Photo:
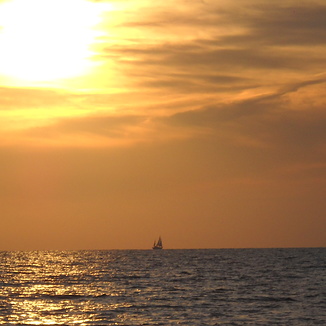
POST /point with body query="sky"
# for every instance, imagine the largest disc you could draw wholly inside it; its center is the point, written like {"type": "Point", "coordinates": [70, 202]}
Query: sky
{"type": "Point", "coordinates": [203, 122]}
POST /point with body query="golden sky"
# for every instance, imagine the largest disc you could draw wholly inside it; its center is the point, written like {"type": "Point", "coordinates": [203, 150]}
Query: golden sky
{"type": "Point", "coordinates": [200, 121]}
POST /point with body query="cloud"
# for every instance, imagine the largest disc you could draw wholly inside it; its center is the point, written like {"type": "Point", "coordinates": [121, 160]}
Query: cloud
{"type": "Point", "coordinates": [273, 123]}
{"type": "Point", "coordinates": [14, 97]}
{"type": "Point", "coordinates": [231, 67]}
{"type": "Point", "coordinates": [88, 131]}
{"type": "Point", "coordinates": [289, 25]}
{"type": "Point", "coordinates": [220, 48]}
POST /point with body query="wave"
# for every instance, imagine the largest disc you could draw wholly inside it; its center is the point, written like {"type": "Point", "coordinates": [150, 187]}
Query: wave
{"type": "Point", "coordinates": [270, 299]}
{"type": "Point", "coordinates": [38, 296]}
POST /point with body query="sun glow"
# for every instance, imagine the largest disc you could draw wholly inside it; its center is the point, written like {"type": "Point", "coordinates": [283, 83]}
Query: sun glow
{"type": "Point", "coordinates": [47, 40]}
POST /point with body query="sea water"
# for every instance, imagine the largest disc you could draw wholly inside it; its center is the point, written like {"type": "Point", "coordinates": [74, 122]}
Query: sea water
{"type": "Point", "coordinates": [164, 287]}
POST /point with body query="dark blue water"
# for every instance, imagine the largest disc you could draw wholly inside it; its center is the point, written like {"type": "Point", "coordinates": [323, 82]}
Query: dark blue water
{"type": "Point", "coordinates": [168, 287]}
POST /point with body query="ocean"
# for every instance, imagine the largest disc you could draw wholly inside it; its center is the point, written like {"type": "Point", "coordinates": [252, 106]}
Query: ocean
{"type": "Point", "coordinates": [164, 287]}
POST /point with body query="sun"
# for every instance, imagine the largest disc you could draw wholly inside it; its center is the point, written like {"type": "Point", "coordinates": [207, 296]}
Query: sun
{"type": "Point", "coordinates": [46, 40]}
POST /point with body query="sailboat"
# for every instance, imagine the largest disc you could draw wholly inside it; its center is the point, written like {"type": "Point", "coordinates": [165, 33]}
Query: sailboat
{"type": "Point", "coordinates": [158, 244]}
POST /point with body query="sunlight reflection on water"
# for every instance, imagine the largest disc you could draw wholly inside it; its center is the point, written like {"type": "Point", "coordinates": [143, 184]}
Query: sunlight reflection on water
{"type": "Point", "coordinates": [211, 287]}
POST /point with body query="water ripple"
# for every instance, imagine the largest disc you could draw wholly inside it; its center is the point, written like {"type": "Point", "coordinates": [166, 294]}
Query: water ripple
{"type": "Point", "coordinates": [170, 287]}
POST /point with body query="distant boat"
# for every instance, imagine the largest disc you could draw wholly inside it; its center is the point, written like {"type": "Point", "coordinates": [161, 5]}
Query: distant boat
{"type": "Point", "coordinates": [158, 244]}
